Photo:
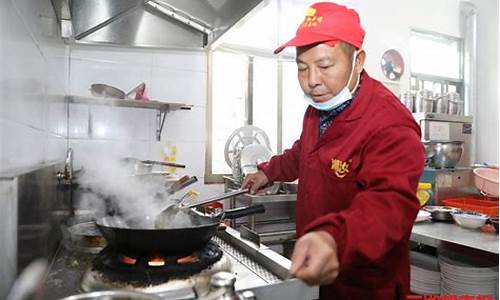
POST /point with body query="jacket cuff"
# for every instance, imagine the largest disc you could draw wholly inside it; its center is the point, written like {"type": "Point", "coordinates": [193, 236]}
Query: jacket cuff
{"type": "Point", "coordinates": [336, 232]}
{"type": "Point", "coordinates": [267, 170]}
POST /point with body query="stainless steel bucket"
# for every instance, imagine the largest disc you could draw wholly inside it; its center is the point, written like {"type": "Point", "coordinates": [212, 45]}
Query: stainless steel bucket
{"type": "Point", "coordinates": [442, 104]}
{"type": "Point", "coordinates": [424, 101]}
{"type": "Point", "coordinates": [407, 98]}
{"type": "Point", "coordinates": [456, 108]}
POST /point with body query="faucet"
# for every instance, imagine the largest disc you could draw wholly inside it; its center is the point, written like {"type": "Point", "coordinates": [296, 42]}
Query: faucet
{"type": "Point", "coordinates": [67, 175]}
{"type": "Point", "coordinates": [68, 165]}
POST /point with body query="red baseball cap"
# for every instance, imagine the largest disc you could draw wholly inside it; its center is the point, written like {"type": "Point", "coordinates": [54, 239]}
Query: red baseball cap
{"type": "Point", "coordinates": [327, 22]}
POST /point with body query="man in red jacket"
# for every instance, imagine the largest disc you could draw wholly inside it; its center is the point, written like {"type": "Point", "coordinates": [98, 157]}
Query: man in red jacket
{"type": "Point", "coordinates": [358, 161]}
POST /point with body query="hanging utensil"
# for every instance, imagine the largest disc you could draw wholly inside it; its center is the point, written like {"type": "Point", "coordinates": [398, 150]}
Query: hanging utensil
{"type": "Point", "coordinates": [106, 91]}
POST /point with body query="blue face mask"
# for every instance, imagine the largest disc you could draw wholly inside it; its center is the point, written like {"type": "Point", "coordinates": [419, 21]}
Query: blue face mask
{"type": "Point", "coordinates": [344, 95]}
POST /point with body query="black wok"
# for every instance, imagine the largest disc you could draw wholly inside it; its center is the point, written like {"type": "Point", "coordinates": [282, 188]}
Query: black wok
{"type": "Point", "coordinates": [131, 239]}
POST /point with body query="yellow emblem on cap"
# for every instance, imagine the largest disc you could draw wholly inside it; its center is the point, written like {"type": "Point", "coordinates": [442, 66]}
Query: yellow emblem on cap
{"type": "Point", "coordinates": [310, 12]}
{"type": "Point", "coordinates": [311, 20]}
{"type": "Point", "coordinates": [340, 168]}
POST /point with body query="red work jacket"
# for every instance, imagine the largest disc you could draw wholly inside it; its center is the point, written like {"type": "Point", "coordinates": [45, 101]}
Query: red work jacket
{"type": "Point", "coordinates": [358, 182]}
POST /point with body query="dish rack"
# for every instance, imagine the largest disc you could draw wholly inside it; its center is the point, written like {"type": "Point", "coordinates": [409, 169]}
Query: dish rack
{"type": "Point", "coordinates": [474, 203]}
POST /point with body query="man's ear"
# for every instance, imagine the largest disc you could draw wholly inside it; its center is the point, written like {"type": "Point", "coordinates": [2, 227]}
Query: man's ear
{"type": "Point", "coordinates": [360, 61]}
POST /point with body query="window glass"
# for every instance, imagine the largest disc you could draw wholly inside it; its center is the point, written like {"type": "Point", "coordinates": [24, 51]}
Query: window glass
{"type": "Point", "coordinates": [265, 98]}
{"type": "Point", "coordinates": [435, 55]}
{"type": "Point", "coordinates": [228, 103]}
{"type": "Point", "coordinates": [294, 105]}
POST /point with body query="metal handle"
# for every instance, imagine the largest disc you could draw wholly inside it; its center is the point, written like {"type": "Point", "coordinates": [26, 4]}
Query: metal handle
{"type": "Point", "coordinates": [244, 211]}
{"type": "Point", "coordinates": [168, 164]}
{"type": "Point", "coordinates": [217, 198]}
{"type": "Point", "coordinates": [183, 182]}
{"type": "Point", "coordinates": [187, 183]}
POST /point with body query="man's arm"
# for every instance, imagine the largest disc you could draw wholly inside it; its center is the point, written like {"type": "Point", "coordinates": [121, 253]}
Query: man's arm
{"type": "Point", "coordinates": [284, 167]}
{"type": "Point", "coordinates": [381, 215]}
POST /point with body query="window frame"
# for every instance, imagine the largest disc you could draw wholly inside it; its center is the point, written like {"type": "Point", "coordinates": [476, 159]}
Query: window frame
{"type": "Point", "coordinates": [435, 79]}
{"type": "Point", "coordinates": [251, 53]}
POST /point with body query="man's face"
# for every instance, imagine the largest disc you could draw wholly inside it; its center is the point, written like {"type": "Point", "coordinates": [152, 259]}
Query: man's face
{"type": "Point", "coordinates": [323, 70]}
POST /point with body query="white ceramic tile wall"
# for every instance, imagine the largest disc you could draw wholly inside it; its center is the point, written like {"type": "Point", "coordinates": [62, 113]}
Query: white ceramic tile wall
{"type": "Point", "coordinates": [487, 135]}
{"type": "Point", "coordinates": [78, 121]}
{"type": "Point", "coordinates": [22, 146]}
{"type": "Point", "coordinates": [186, 125]}
{"type": "Point", "coordinates": [33, 124]}
{"type": "Point", "coordinates": [169, 76]}
{"type": "Point", "coordinates": [179, 86]}
{"type": "Point", "coordinates": [33, 71]}
{"type": "Point", "coordinates": [100, 149]}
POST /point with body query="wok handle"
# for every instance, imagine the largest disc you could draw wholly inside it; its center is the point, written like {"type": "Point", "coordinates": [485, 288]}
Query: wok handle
{"type": "Point", "coordinates": [244, 211]}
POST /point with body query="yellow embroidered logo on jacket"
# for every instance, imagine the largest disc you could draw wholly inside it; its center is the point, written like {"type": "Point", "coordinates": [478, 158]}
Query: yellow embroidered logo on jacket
{"type": "Point", "coordinates": [311, 20]}
{"type": "Point", "coordinates": [340, 168]}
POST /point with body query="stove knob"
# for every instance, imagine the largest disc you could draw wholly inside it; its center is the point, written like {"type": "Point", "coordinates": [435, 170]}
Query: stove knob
{"type": "Point", "coordinates": [223, 286]}
{"type": "Point", "coordinates": [248, 295]}
{"type": "Point", "coordinates": [223, 280]}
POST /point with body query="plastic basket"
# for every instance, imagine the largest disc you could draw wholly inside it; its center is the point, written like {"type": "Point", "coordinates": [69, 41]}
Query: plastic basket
{"type": "Point", "coordinates": [473, 203]}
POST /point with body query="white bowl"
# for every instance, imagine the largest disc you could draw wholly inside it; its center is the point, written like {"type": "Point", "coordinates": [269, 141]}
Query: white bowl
{"type": "Point", "coordinates": [422, 216]}
{"type": "Point", "coordinates": [470, 220]}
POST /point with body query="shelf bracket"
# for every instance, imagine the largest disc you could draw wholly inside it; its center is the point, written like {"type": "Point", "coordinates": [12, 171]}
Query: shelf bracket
{"type": "Point", "coordinates": [160, 121]}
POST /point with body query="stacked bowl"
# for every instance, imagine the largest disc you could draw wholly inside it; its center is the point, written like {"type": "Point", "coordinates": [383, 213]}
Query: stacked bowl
{"type": "Point", "coordinates": [425, 278]}
{"type": "Point", "coordinates": [462, 277]}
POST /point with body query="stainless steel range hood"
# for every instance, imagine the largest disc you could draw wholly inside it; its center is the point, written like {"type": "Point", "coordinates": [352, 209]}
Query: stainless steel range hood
{"type": "Point", "coordinates": [150, 23]}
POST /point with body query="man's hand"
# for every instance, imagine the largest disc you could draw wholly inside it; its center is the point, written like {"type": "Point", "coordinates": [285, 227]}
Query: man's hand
{"type": "Point", "coordinates": [315, 259]}
{"type": "Point", "coordinates": [255, 181]}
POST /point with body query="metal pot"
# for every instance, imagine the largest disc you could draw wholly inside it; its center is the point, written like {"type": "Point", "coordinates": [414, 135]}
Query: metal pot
{"type": "Point", "coordinates": [455, 105]}
{"type": "Point", "coordinates": [407, 98]}
{"type": "Point", "coordinates": [456, 108]}
{"type": "Point", "coordinates": [424, 101]}
{"type": "Point", "coordinates": [290, 187]}
{"type": "Point", "coordinates": [441, 213]}
{"type": "Point", "coordinates": [443, 154]}
{"type": "Point", "coordinates": [106, 91]}
{"type": "Point", "coordinates": [442, 104]}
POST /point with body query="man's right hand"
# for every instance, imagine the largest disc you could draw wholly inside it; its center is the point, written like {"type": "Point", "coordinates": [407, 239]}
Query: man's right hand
{"type": "Point", "coordinates": [255, 181]}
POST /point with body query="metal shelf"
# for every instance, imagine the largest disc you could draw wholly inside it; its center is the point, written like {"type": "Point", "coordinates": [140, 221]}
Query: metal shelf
{"type": "Point", "coordinates": [162, 107]}
{"type": "Point", "coordinates": [434, 233]}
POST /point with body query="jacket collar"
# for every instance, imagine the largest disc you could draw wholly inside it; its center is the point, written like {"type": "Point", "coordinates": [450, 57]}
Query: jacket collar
{"type": "Point", "coordinates": [360, 103]}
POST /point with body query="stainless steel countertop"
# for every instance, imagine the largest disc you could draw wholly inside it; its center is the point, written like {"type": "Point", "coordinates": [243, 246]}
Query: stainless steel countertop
{"type": "Point", "coordinates": [433, 233]}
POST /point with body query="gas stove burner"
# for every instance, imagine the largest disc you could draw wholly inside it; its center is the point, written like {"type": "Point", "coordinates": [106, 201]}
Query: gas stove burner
{"type": "Point", "coordinates": [154, 269]}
